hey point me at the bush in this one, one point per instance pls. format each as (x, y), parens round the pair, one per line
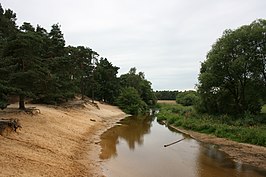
(130, 102)
(187, 98)
(263, 109)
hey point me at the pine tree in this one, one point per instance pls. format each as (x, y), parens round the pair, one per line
(7, 30)
(22, 61)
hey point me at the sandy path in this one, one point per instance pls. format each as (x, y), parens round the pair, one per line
(57, 142)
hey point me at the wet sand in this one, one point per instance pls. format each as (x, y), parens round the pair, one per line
(60, 141)
(241, 152)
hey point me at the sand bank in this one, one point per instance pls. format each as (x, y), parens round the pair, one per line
(60, 141)
(239, 152)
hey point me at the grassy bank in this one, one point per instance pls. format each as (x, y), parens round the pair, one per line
(247, 129)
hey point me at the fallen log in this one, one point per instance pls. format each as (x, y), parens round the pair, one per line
(166, 145)
(32, 111)
(12, 124)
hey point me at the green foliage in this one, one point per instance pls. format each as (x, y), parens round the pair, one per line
(263, 109)
(130, 101)
(7, 30)
(106, 80)
(232, 80)
(57, 42)
(138, 81)
(3, 97)
(82, 71)
(8, 24)
(187, 98)
(247, 129)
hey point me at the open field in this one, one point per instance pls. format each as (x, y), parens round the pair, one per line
(167, 101)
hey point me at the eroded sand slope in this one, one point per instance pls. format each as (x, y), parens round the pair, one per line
(60, 141)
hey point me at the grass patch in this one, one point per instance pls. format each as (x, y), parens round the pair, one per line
(263, 109)
(247, 129)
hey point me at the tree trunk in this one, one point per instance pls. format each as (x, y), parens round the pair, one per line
(21, 102)
(92, 95)
(82, 90)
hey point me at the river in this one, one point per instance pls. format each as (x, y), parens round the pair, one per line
(135, 148)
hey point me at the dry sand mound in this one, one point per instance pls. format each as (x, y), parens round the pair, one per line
(60, 141)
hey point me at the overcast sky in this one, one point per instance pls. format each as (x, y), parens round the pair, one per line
(165, 39)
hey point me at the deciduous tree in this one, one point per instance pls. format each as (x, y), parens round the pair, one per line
(232, 79)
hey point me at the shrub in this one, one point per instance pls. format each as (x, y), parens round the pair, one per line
(130, 101)
(187, 98)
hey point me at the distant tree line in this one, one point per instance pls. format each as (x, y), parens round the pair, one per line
(185, 98)
(166, 94)
(36, 64)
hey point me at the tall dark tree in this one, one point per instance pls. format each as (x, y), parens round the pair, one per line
(82, 59)
(57, 42)
(8, 23)
(21, 58)
(105, 76)
(59, 84)
(7, 30)
(232, 79)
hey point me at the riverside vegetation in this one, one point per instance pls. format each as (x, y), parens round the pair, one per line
(246, 129)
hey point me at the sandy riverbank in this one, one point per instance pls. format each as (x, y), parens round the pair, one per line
(60, 141)
(240, 152)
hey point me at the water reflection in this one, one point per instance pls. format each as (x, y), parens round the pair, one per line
(132, 133)
(212, 162)
(135, 148)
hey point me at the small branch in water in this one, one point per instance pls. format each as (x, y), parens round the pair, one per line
(166, 145)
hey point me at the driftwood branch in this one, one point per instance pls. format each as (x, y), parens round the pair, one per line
(32, 111)
(166, 145)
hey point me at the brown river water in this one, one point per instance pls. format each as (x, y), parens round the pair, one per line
(135, 148)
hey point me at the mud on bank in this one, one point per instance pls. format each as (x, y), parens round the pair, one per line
(245, 153)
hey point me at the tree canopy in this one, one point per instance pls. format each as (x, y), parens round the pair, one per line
(233, 78)
(107, 84)
(187, 98)
(138, 82)
(166, 94)
(130, 101)
(136, 93)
